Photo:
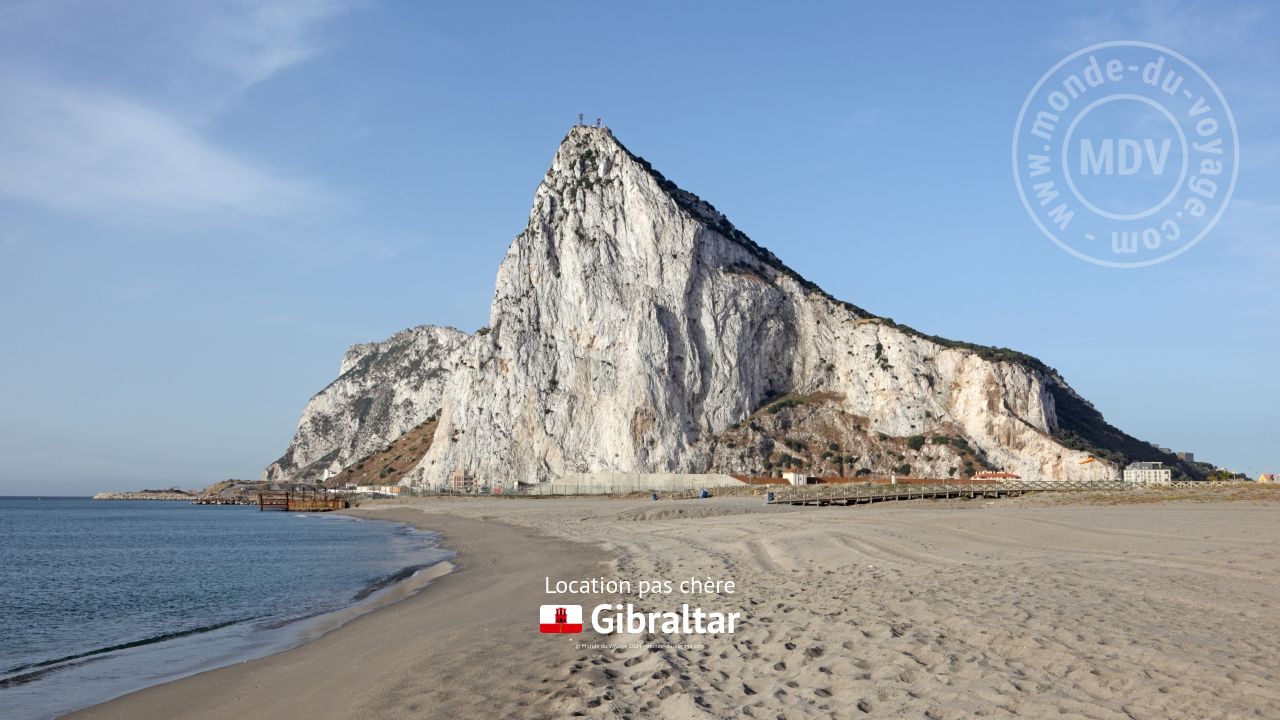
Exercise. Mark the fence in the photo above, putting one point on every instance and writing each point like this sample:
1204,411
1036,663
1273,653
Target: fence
627,483
850,494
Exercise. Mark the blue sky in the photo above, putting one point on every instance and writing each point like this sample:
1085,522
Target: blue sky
202,204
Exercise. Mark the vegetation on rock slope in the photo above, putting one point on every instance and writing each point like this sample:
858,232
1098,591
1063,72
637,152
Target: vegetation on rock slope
389,465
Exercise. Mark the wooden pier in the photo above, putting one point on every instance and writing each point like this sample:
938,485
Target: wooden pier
861,493
301,501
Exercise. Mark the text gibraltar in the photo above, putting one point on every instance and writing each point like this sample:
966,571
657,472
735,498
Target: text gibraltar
607,619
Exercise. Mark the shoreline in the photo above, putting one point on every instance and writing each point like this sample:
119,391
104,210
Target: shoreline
186,649
354,666
378,593
1035,607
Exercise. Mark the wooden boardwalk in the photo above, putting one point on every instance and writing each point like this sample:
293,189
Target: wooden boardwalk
860,493
300,502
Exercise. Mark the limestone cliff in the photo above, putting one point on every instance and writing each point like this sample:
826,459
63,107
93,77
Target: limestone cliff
633,328
383,390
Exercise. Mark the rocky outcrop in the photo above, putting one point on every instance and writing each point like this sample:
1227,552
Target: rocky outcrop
634,329
383,390
171,494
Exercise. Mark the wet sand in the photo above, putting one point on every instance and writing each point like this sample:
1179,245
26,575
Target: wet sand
466,646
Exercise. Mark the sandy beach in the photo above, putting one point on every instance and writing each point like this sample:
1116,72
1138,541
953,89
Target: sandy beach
1081,607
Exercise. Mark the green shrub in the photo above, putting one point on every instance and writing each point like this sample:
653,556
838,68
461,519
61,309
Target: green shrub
915,442
783,404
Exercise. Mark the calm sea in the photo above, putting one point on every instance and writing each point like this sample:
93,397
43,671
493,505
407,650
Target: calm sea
100,598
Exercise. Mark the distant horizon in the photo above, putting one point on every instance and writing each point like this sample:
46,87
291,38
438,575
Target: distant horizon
248,195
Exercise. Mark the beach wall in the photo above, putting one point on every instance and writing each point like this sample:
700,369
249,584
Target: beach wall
621,483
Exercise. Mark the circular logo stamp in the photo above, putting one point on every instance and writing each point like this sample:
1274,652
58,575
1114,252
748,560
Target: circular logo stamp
1125,154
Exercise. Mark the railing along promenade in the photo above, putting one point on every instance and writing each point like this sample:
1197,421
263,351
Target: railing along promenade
858,493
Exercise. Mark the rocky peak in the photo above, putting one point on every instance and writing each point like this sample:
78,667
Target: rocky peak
588,158
634,328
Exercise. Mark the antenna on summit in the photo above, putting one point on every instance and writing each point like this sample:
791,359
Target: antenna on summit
597,122
580,119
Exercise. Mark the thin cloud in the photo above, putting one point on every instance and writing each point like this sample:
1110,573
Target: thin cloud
1251,229
72,139
1196,29
90,151
256,40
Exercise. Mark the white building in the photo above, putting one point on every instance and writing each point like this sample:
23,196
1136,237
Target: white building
380,490
795,477
1148,473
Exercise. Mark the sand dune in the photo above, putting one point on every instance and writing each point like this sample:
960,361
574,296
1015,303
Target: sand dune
921,610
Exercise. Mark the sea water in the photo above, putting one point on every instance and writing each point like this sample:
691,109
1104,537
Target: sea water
100,598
